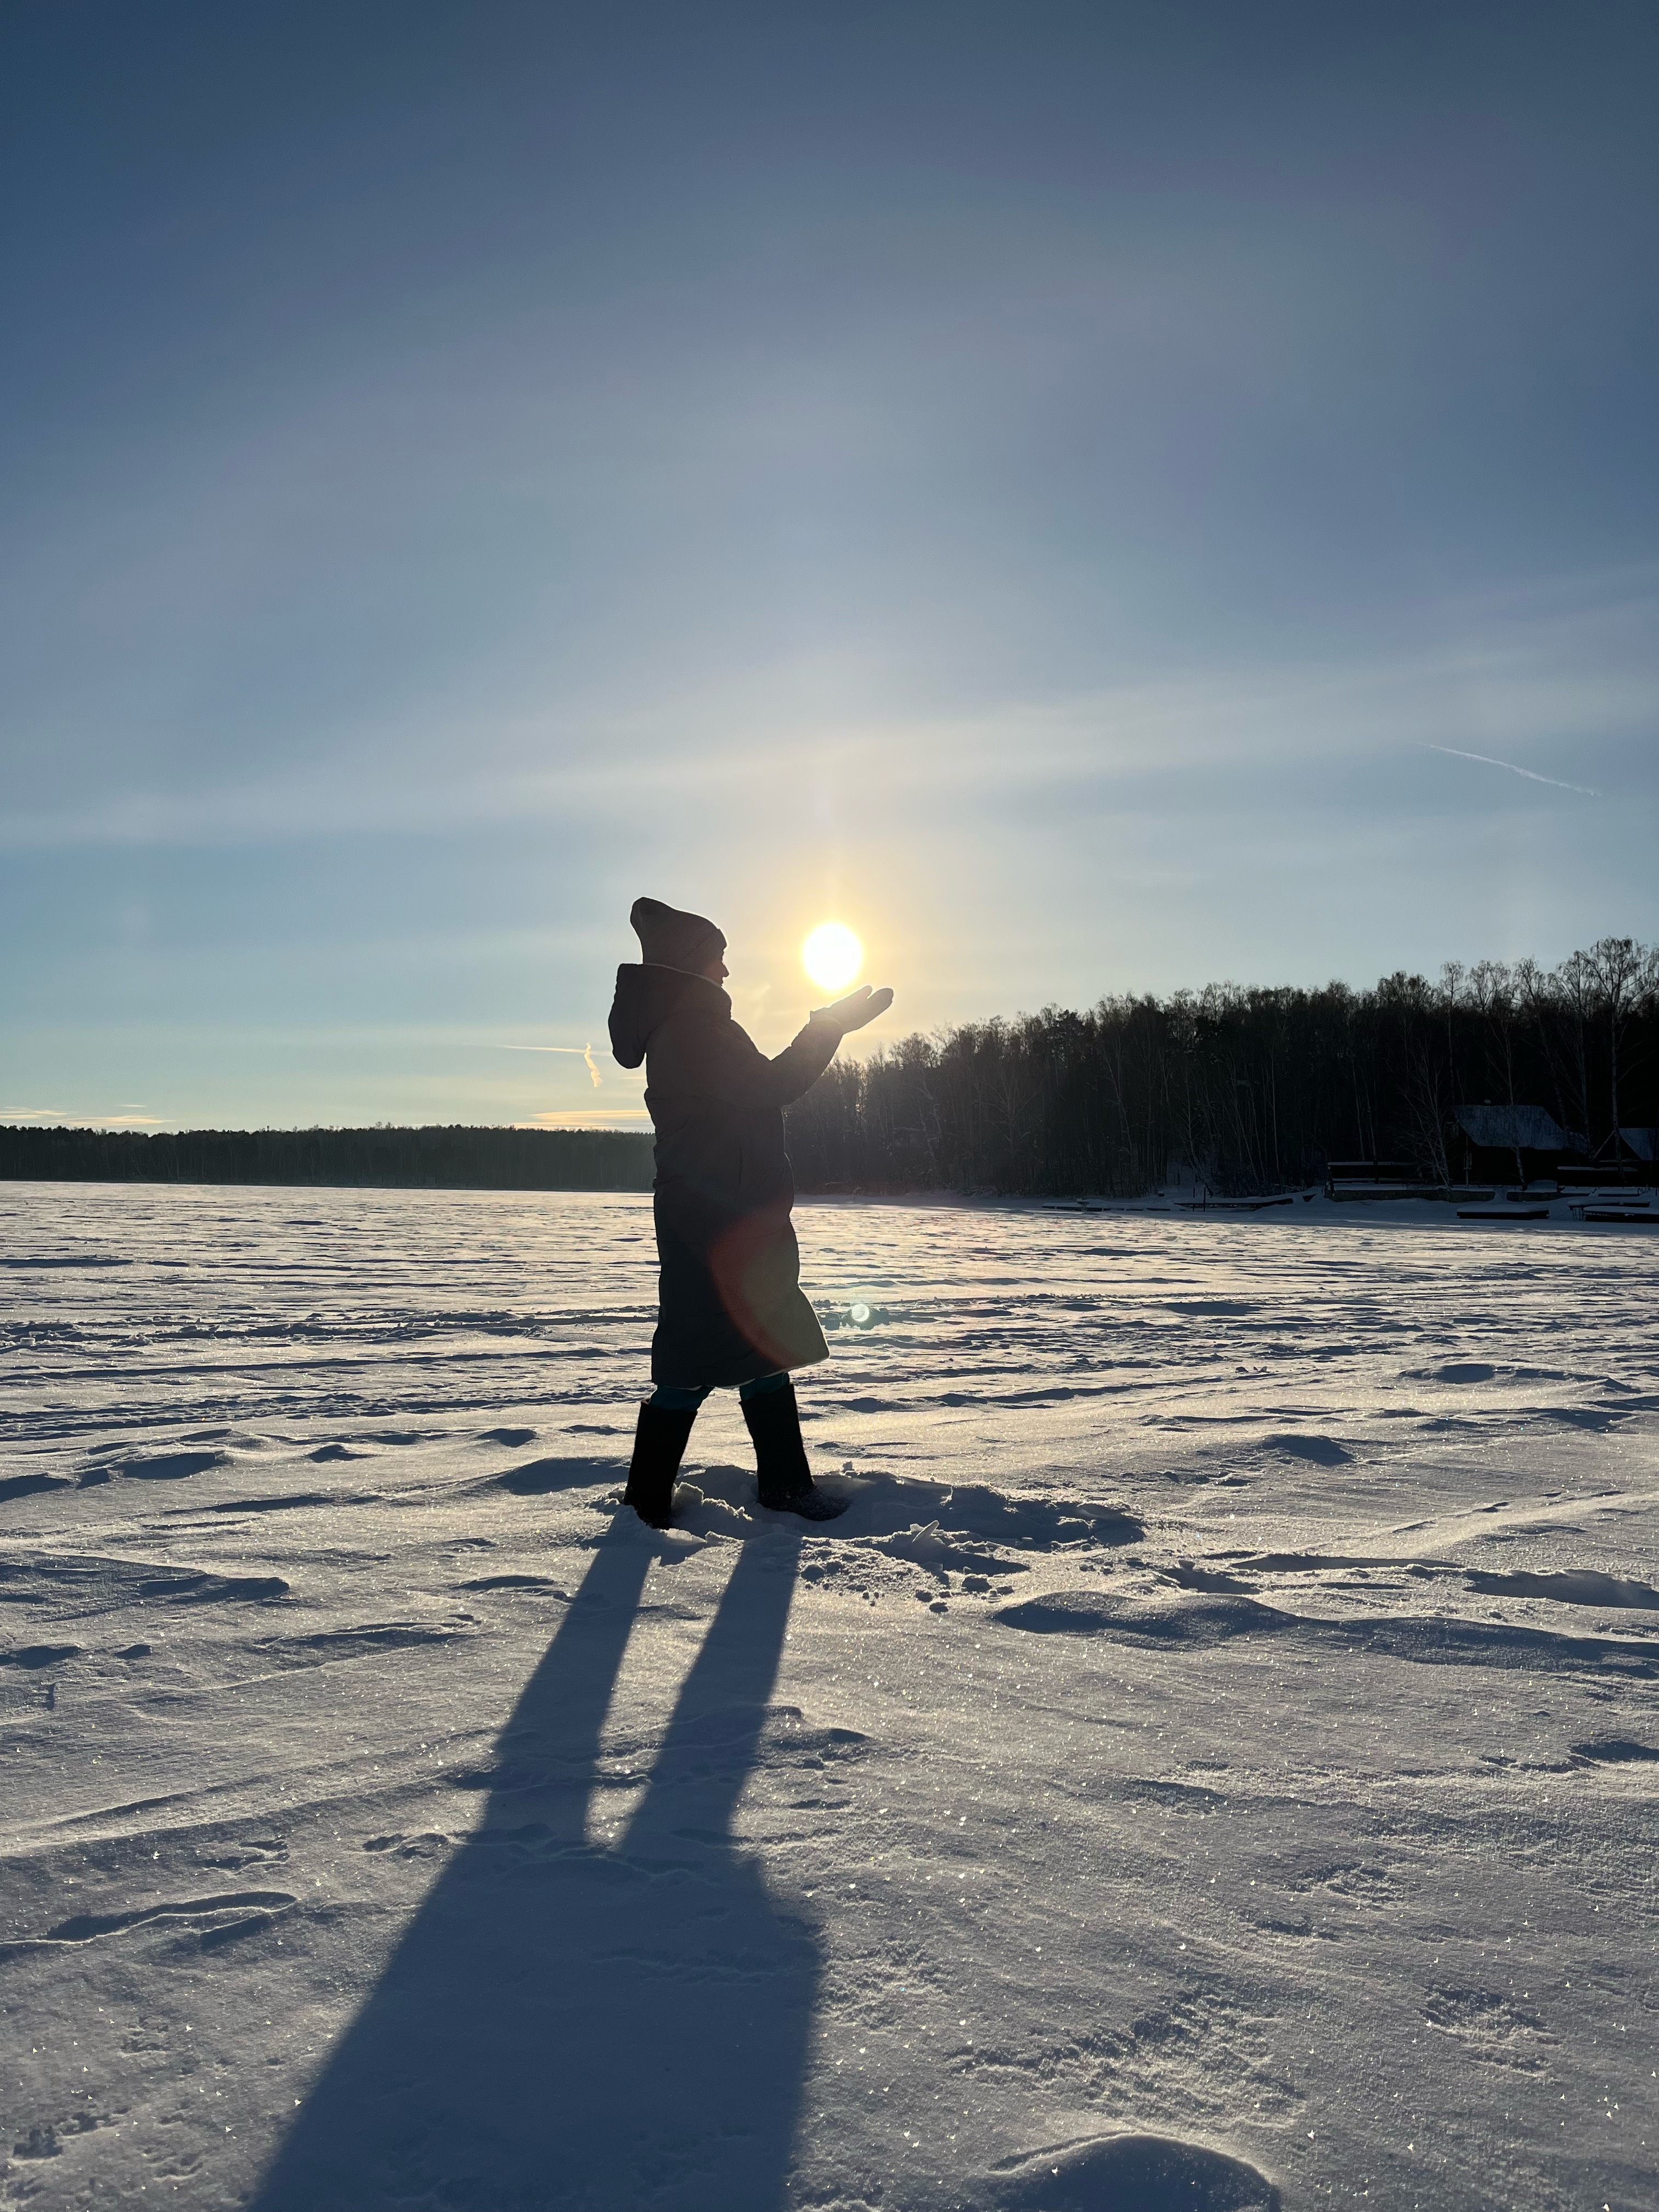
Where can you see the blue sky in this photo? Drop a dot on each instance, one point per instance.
(1060, 488)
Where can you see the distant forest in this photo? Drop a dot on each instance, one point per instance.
(397, 1159)
(1250, 1089)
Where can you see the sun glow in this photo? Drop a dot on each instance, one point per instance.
(832, 956)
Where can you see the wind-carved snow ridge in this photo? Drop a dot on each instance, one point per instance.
(1137, 2173)
(1210, 1764)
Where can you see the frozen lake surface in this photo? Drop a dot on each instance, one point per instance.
(1214, 1756)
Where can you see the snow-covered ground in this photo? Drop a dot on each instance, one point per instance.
(1214, 1755)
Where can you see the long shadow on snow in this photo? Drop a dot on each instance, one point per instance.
(586, 2027)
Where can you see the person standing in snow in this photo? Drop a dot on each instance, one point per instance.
(732, 1313)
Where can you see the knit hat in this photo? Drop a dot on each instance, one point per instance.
(669, 938)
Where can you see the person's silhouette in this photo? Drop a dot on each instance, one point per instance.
(731, 1314)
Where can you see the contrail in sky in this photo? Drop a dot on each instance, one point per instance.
(1531, 775)
(580, 1051)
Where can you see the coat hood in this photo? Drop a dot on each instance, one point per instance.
(671, 939)
(645, 996)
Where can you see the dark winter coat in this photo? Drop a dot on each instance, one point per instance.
(732, 1308)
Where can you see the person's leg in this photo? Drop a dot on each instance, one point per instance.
(660, 1436)
(773, 1418)
(680, 1397)
(763, 1387)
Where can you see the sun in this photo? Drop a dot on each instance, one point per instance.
(832, 956)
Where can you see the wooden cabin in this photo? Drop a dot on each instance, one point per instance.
(1511, 1144)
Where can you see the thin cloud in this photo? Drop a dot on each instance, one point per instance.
(578, 1115)
(59, 1116)
(1576, 654)
(1486, 761)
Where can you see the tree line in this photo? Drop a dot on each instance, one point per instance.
(1249, 1088)
(455, 1158)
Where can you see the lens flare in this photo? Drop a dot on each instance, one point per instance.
(832, 956)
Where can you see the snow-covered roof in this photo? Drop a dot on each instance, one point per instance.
(1528, 1127)
(1629, 1144)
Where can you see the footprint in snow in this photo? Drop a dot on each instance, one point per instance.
(1356, 1880)
(432, 1844)
(1489, 2026)
(232, 1858)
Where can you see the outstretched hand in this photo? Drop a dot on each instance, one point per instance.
(857, 1008)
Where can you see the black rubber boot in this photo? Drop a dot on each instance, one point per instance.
(659, 1443)
(786, 1479)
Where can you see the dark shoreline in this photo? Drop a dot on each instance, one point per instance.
(453, 1157)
